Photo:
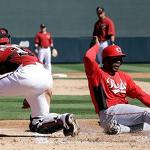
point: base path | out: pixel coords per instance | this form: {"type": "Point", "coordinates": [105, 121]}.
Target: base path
{"type": "Point", "coordinates": [14, 135]}
{"type": "Point", "coordinates": [77, 84]}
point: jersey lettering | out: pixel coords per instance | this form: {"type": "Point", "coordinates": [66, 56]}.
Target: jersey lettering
{"type": "Point", "coordinates": [116, 87]}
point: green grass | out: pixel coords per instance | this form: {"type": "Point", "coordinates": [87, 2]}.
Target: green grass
{"type": "Point", "coordinates": [143, 68]}
{"type": "Point", "coordinates": [67, 68]}
{"type": "Point", "coordinates": [81, 106]}
{"type": "Point", "coordinates": [142, 79]}
{"type": "Point", "coordinates": [70, 68]}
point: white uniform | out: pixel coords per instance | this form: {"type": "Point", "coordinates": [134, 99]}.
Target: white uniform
{"type": "Point", "coordinates": [44, 42]}
{"type": "Point", "coordinates": [30, 80]}
{"type": "Point", "coordinates": [23, 75]}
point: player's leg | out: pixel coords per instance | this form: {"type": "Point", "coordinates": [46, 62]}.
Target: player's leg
{"type": "Point", "coordinates": [44, 122]}
{"type": "Point", "coordinates": [41, 55]}
{"type": "Point", "coordinates": [130, 117]}
{"type": "Point", "coordinates": [48, 59]}
{"type": "Point", "coordinates": [101, 47]}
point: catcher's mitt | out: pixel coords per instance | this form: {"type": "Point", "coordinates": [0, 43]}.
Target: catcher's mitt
{"type": "Point", "coordinates": [54, 52]}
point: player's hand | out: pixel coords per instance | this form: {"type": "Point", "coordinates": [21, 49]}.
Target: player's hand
{"type": "Point", "coordinates": [36, 51]}
{"type": "Point", "coordinates": [96, 39]}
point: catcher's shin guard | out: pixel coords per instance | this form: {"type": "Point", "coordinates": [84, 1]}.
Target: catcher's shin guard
{"type": "Point", "coordinates": [45, 128]}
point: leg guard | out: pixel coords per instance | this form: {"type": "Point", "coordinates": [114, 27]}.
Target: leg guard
{"type": "Point", "coordinates": [45, 128]}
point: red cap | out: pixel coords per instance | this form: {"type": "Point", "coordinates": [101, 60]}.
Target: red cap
{"type": "Point", "coordinates": [112, 51]}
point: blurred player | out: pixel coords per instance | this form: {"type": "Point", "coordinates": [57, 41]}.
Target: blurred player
{"type": "Point", "coordinates": [109, 89]}
{"type": "Point", "coordinates": [104, 31]}
{"type": "Point", "coordinates": [43, 46]}
{"type": "Point", "coordinates": [23, 75]}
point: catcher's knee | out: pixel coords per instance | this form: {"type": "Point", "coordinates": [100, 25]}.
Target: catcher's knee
{"type": "Point", "coordinates": [46, 128]}
{"type": "Point", "coordinates": [48, 95]}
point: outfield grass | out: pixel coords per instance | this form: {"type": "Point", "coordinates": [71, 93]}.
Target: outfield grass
{"type": "Point", "coordinates": [67, 68]}
{"type": "Point", "coordinates": [81, 106]}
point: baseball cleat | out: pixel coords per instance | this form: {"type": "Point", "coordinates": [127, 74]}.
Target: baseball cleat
{"type": "Point", "coordinates": [113, 128]}
{"type": "Point", "coordinates": [73, 128]}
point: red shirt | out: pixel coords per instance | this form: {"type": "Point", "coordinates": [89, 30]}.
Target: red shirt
{"type": "Point", "coordinates": [43, 39]}
{"type": "Point", "coordinates": [103, 29]}
{"type": "Point", "coordinates": [17, 55]}
{"type": "Point", "coordinates": [107, 90]}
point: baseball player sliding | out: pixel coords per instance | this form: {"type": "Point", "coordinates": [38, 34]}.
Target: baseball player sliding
{"type": "Point", "coordinates": [44, 46]}
{"type": "Point", "coordinates": [24, 75]}
{"type": "Point", "coordinates": [109, 89]}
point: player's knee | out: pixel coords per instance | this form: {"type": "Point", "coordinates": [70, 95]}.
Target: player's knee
{"type": "Point", "coordinates": [48, 95]}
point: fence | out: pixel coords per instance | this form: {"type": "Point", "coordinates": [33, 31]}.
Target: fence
{"type": "Point", "coordinates": [72, 50]}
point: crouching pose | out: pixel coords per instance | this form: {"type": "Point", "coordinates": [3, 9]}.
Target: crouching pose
{"type": "Point", "coordinates": [109, 89]}
{"type": "Point", "coordinates": [23, 75]}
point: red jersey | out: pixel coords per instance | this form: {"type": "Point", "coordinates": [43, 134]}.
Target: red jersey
{"type": "Point", "coordinates": [16, 55]}
{"type": "Point", "coordinates": [103, 29]}
{"type": "Point", "coordinates": [43, 39]}
{"type": "Point", "coordinates": [107, 90]}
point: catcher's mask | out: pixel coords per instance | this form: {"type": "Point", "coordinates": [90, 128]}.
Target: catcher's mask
{"type": "Point", "coordinates": [4, 36]}
{"type": "Point", "coordinates": [112, 51]}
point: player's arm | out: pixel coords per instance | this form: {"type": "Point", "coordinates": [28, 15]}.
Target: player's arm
{"type": "Point", "coordinates": [134, 91]}
{"type": "Point", "coordinates": [51, 41]}
{"type": "Point", "coordinates": [111, 31]}
{"type": "Point", "coordinates": [36, 43]}
{"type": "Point", "coordinates": [91, 66]}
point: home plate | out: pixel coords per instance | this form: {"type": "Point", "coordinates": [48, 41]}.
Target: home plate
{"type": "Point", "coordinates": [60, 75]}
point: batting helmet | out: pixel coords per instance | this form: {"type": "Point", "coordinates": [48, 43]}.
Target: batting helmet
{"type": "Point", "coordinates": [112, 51]}
{"type": "Point", "coordinates": [4, 36]}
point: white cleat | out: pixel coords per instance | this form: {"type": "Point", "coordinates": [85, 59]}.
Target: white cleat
{"type": "Point", "coordinates": [73, 128]}
{"type": "Point", "coordinates": [113, 128]}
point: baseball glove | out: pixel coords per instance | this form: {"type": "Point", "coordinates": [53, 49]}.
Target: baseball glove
{"type": "Point", "coordinates": [54, 52]}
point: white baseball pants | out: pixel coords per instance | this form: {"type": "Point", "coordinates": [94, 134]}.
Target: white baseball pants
{"type": "Point", "coordinates": [101, 47]}
{"type": "Point", "coordinates": [45, 55]}
{"type": "Point", "coordinates": [31, 82]}
{"type": "Point", "coordinates": [126, 115]}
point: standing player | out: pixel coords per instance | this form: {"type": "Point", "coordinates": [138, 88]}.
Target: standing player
{"type": "Point", "coordinates": [104, 31]}
{"type": "Point", "coordinates": [109, 89]}
{"type": "Point", "coordinates": [43, 46]}
{"type": "Point", "coordinates": [31, 80]}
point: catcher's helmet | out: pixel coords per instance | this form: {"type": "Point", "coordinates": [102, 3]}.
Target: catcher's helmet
{"type": "Point", "coordinates": [4, 36]}
{"type": "Point", "coordinates": [112, 51]}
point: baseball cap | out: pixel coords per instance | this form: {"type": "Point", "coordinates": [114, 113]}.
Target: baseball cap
{"type": "Point", "coordinates": [99, 10]}
{"type": "Point", "coordinates": [42, 25]}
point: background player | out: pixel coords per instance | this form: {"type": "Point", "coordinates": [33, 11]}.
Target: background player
{"type": "Point", "coordinates": [43, 46]}
{"type": "Point", "coordinates": [109, 88]}
{"type": "Point", "coordinates": [104, 31]}
{"type": "Point", "coordinates": [30, 79]}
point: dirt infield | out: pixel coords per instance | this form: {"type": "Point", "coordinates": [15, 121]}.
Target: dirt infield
{"type": "Point", "coordinates": [15, 135]}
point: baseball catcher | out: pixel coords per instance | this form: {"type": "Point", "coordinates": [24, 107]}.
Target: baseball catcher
{"type": "Point", "coordinates": [21, 76]}
{"type": "Point", "coordinates": [109, 88]}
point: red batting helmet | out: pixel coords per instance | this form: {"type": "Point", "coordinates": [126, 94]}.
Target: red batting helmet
{"type": "Point", "coordinates": [4, 36]}
{"type": "Point", "coordinates": [112, 51]}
